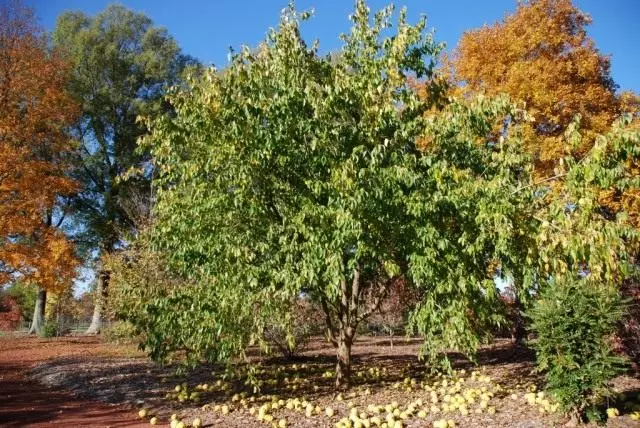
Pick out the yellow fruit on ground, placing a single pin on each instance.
(197, 423)
(225, 409)
(142, 413)
(181, 425)
(441, 423)
(153, 421)
(612, 412)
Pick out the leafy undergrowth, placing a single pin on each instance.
(391, 389)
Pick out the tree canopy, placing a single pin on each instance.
(541, 55)
(35, 113)
(293, 173)
(121, 66)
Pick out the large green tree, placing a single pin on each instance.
(292, 173)
(122, 66)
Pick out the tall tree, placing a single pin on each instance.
(35, 114)
(122, 64)
(541, 55)
(289, 172)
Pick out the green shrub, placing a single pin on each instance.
(50, 329)
(574, 323)
(121, 332)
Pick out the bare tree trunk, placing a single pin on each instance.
(519, 335)
(38, 314)
(343, 315)
(343, 366)
(98, 306)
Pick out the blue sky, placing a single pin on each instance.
(206, 29)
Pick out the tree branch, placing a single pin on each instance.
(555, 177)
(331, 334)
(377, 301)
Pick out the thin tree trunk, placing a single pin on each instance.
(342, 317)
(519, 335)
(38, 313)
(343, 366)
(98, 306)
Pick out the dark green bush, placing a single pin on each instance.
(50, 329)
(574, 323)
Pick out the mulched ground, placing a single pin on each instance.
(24, 402)
(83, 382)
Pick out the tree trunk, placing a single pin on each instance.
(38, 313)
(98, 305)
(342, 317)
(343, 366)
(519, 335)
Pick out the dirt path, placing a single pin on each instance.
(26, 403)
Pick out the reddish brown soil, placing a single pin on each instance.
(95, 370)
(26, 403)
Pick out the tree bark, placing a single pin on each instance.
(342, 316)
(98, 306)
(343, 366)
(38, 313)
(519, 335)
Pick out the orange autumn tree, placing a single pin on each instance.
(541, 55)
(35, 112)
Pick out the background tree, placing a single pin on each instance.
(35, 113)
(541, 56)
(122, 64)
(25, 295)
(290, 173)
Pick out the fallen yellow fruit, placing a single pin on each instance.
(612, 412)
(142, 413)
(153, 421)
(197, 423)
(442, 423)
